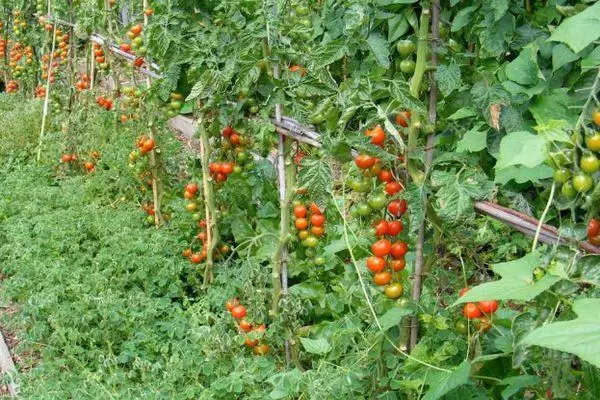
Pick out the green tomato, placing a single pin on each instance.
(363, 209)
(461, 327)
(377, 202)
(175, 105)
(301, 10)
(253, 109)
(196, 216)
(407, 66)
(310, 242)
(567, 190)
(242, 157)
(237, 169)
(319, 261)
(150, 219)
(354, 212)
(405, 48)
(360, 185)
(309, 252)
(562, 175)
(589, 163)
(582, 183)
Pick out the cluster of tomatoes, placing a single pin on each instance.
(580, 178)
(145, 144)
(593, 232)
(190, 192)
(479, 313)
(254, 333)
(405, 63)
(40, 92)
(12, 86)
(46, 66)
(100, 57)
(63, 44)
(104, 102)
(15, 55)
(131, 100)
(40, 6)
(3, 44)
(83, 83)
(309, 225)
(149, 210)
(174, 105)
(88, 165)
(19, 25)
(136, 47)
(221, 170)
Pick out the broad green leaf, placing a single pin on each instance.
(397, 27)
(580, 336)
(592, 60)
(380, 49)
(521, 148)
(473, 140)
(329, 53)
(562, 55)
(316, 346)
(457, 191)
(516, 283)
(416, 213)
(441, 382)
(308, 291)
(555, 105)
(448, 78)
(587, 270)
(516, 384)
(316, 176)
(554, 131)
(521, 174)
(462, 18)
(580, 30)
(524, 69)
(462, 113)
(494, 39)
(393, 316)
(500, 8)
(400, 91)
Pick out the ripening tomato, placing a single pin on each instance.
(488, 307)
(394, 290)
(589, 163)
(382, 278)
(245, 325)
(394, 228)
(593, 228)
(238, 312)
(364, 161)
(227, 168)
(196, 258)
(385, 176)
(471, 311)
(392, 187)
(377, 135)
(261, 349)
(301, 224)
(300, 211)
(136, 29)
(187, 195)
(231, 303)
(303, 234)
(397, 264)
(314, 209)
(402, 118)
(582, 182)
(317, 219)
(381, 228)
(381, 248)
(148, 145)
(201, 236)
(249, 342)
(482, 324)
(399, 249)
(235, 139)
(397, 207)
(463, 291)
(375, 264)
(187, 252)
(317, 231)
(593, 142)
(596, 117)
(221, 177)
(215, 168)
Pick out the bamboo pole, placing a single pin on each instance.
(47, 97)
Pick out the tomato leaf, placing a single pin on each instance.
(393, 316)
(521, 174)
(516, 383)
(516, 283)
(587, 271)
(474, 140)
(380, 49)
(580, 30)
(316, 346)
(580, 336)
(521, 148)
(448, 78)
(316, 176)
(441, 382)
(524, 69)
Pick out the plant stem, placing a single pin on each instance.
(47, 98)
(209, 203)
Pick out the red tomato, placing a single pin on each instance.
(382, 278)
(314, 209)
(377, 135)
(397, 207)
(192, 188)
(364, 161)
(385, 176)
(375, 264)
(593, 228)
(235, 139)
(402, 118)
(394, 228)
(399, 249)
(471, 311)
(227, 131)
(227, 168)
(300, 211)
(398, 264)
(381, 248)
(317, 219)
(221, 177)
(381, 228)
(215, 168)
(318, 231)
(196, 258)
(238, 312)
(186, 253)
(488, 307)
(231, 303)
(392, 187)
